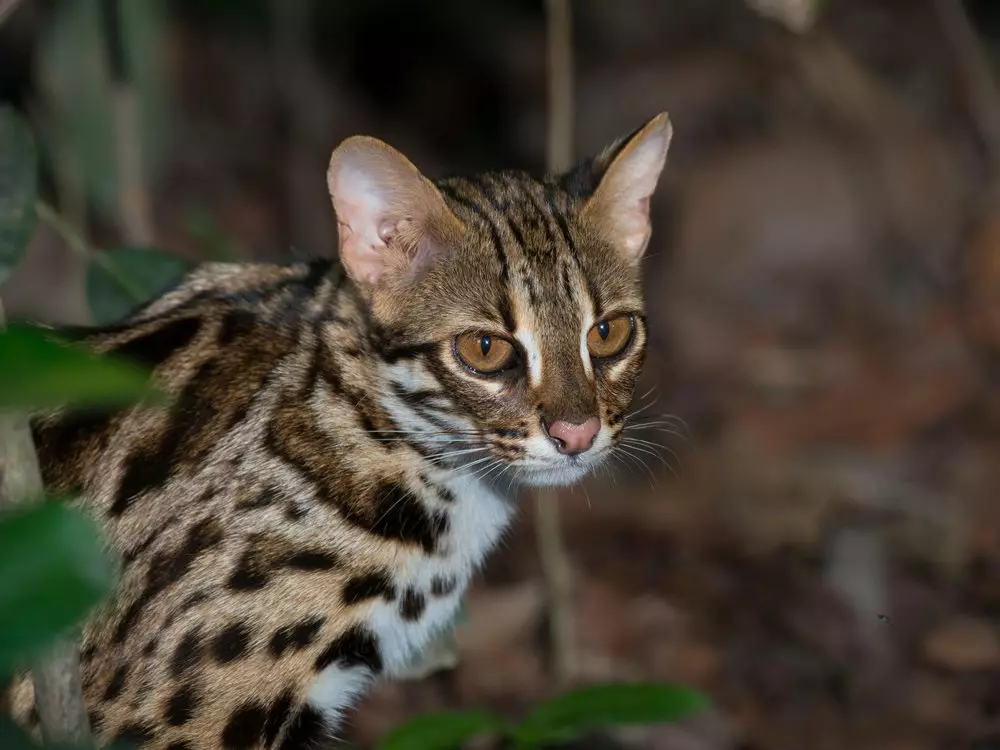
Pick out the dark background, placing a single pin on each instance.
(823, 558)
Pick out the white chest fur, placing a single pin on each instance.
(477, 518)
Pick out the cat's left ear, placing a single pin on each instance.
(631, 170)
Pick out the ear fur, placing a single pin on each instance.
(621, 199)
(390, 218)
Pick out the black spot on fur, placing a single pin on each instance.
(134, 734)
(245, 726)
(412, 605)
(179, 746)
(167, 568)
(312, 560)
(96, 719)
(181, 706)
(356, 647)
(400, 515)
(443, 586)
(263, 499)
(150, 648)
(306, 729)
(194, 600)
(250, 573)
(117, 683)
(295, 637)
(369, 586)
(231, 643)
(187, 654)
(156, 347)
(277, 716)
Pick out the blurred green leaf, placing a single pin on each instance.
(119, 280)
(72, 74)
(605, 705)
(18, 181)
(440, 731)
(37, 371)
(13, 738)
(52, 571)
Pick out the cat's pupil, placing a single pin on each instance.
(603, 329)
(484, 343)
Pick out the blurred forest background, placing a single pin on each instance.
(822, 555)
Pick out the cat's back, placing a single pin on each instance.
(215, 342)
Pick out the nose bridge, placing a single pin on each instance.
(566, 393)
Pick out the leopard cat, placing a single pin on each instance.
(347, 439)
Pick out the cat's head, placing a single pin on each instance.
(508, 308)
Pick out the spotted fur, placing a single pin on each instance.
(307, 512)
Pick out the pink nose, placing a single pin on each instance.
(574, 438)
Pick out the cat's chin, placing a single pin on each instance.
(561, 476)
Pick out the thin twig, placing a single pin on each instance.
(134, 212)
(56, 679)
(976, 72)
(556, 566)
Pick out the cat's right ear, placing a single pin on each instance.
(391, 220)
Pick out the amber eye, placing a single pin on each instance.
(485, 353)
(609, 337)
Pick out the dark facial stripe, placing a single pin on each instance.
(491, 227)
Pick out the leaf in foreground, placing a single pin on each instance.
(606, 705)
(440, 731)
(52, 571)
(37, 371)
(120, 280)
(18, 179)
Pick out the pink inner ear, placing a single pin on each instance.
(363, 228)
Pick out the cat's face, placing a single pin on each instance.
(509, 309)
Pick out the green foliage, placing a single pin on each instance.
(441, 731)
(119, 280)
(52, 571)
(38, 371)
(603, 706)
(18, 178)
(561, 719)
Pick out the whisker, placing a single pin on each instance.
(651, 444)
(650, 452)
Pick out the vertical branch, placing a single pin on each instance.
(134, 214)
(58, 693)
(975, 71)
(556, 566)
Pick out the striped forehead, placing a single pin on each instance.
(527, 226)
